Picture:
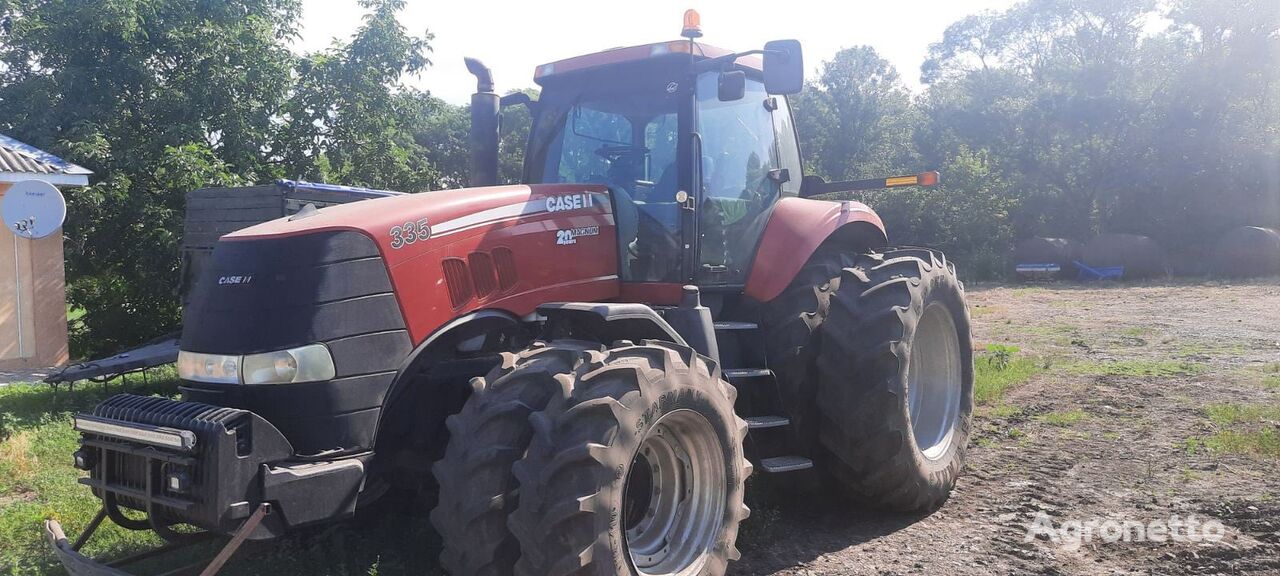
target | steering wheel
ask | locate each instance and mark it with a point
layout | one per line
(612, 152)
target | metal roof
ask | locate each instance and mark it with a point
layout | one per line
(357, 190)
(637, 53)
(21, 161)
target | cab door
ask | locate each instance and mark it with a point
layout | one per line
(741, 178)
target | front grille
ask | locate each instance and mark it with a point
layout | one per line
(128, 471)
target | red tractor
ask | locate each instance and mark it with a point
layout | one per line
(584, 368)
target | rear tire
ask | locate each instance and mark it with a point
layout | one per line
(492, 432)
(895, 380)
(791, 322)
(639, 471)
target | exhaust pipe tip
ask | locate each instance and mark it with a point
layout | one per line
(484, 76)
(486, 122)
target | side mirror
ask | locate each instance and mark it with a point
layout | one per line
(783, 67)
(733, 85)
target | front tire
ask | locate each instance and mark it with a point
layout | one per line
(639, 471)
(895, 388)
(492, 432)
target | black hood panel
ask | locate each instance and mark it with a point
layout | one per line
(274, 293)
(266, 294)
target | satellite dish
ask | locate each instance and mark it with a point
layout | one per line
(33, 209)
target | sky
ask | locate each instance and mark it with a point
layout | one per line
(514, 37)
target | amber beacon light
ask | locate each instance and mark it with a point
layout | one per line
(692, 25)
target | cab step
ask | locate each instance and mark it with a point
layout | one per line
(758, 422)
(742, 373)
(779, 464)
(727, 325)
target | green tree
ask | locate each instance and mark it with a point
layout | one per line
(856, 119)
(160, 97)
(156, 97)
(516, 123)
(1045, 87)
(349, 120)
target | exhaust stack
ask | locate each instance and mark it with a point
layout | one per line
(486, 120)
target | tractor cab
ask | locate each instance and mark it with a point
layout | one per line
(695, 143)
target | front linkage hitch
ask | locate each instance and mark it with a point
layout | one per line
(78, 564)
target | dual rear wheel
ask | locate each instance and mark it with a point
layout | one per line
(619, 460)
(879, 360)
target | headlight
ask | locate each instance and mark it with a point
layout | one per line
(305, 364)
(309, 363)
(214, 368)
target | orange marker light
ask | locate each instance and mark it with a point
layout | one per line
(692, 24)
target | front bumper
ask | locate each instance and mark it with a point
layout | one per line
(207, 466)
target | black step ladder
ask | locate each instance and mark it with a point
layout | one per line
(751, 378)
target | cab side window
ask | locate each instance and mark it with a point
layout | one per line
(788, 147)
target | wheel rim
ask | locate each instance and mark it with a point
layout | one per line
(674, 496)
(934, 381)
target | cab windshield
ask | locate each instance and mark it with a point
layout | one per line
(622, 134)
(621, 129)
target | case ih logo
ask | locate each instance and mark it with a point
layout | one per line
(226, 280)
(570, 202)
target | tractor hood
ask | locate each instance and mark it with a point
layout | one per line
(444, 254)
(405, 226)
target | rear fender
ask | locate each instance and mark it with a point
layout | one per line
(797, 228)
(607, 321)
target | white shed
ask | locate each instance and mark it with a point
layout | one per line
(33, 306)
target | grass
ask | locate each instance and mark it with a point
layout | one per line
(1271, 376)
(1136, 331)
(1002, 411)
(1265, 442)
(999, 369)
(1137, 368)
(38, 482)
(1200, 349)
(1242, 429)
(1231, 414)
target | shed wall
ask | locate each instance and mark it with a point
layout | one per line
(32, 301)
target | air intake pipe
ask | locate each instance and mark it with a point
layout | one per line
(486, 120)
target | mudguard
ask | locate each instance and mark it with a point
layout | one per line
(797, 227)
(608, 321)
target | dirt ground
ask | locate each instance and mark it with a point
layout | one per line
(1130, 372)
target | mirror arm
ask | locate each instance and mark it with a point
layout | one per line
(712, 63)
(518, 99)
